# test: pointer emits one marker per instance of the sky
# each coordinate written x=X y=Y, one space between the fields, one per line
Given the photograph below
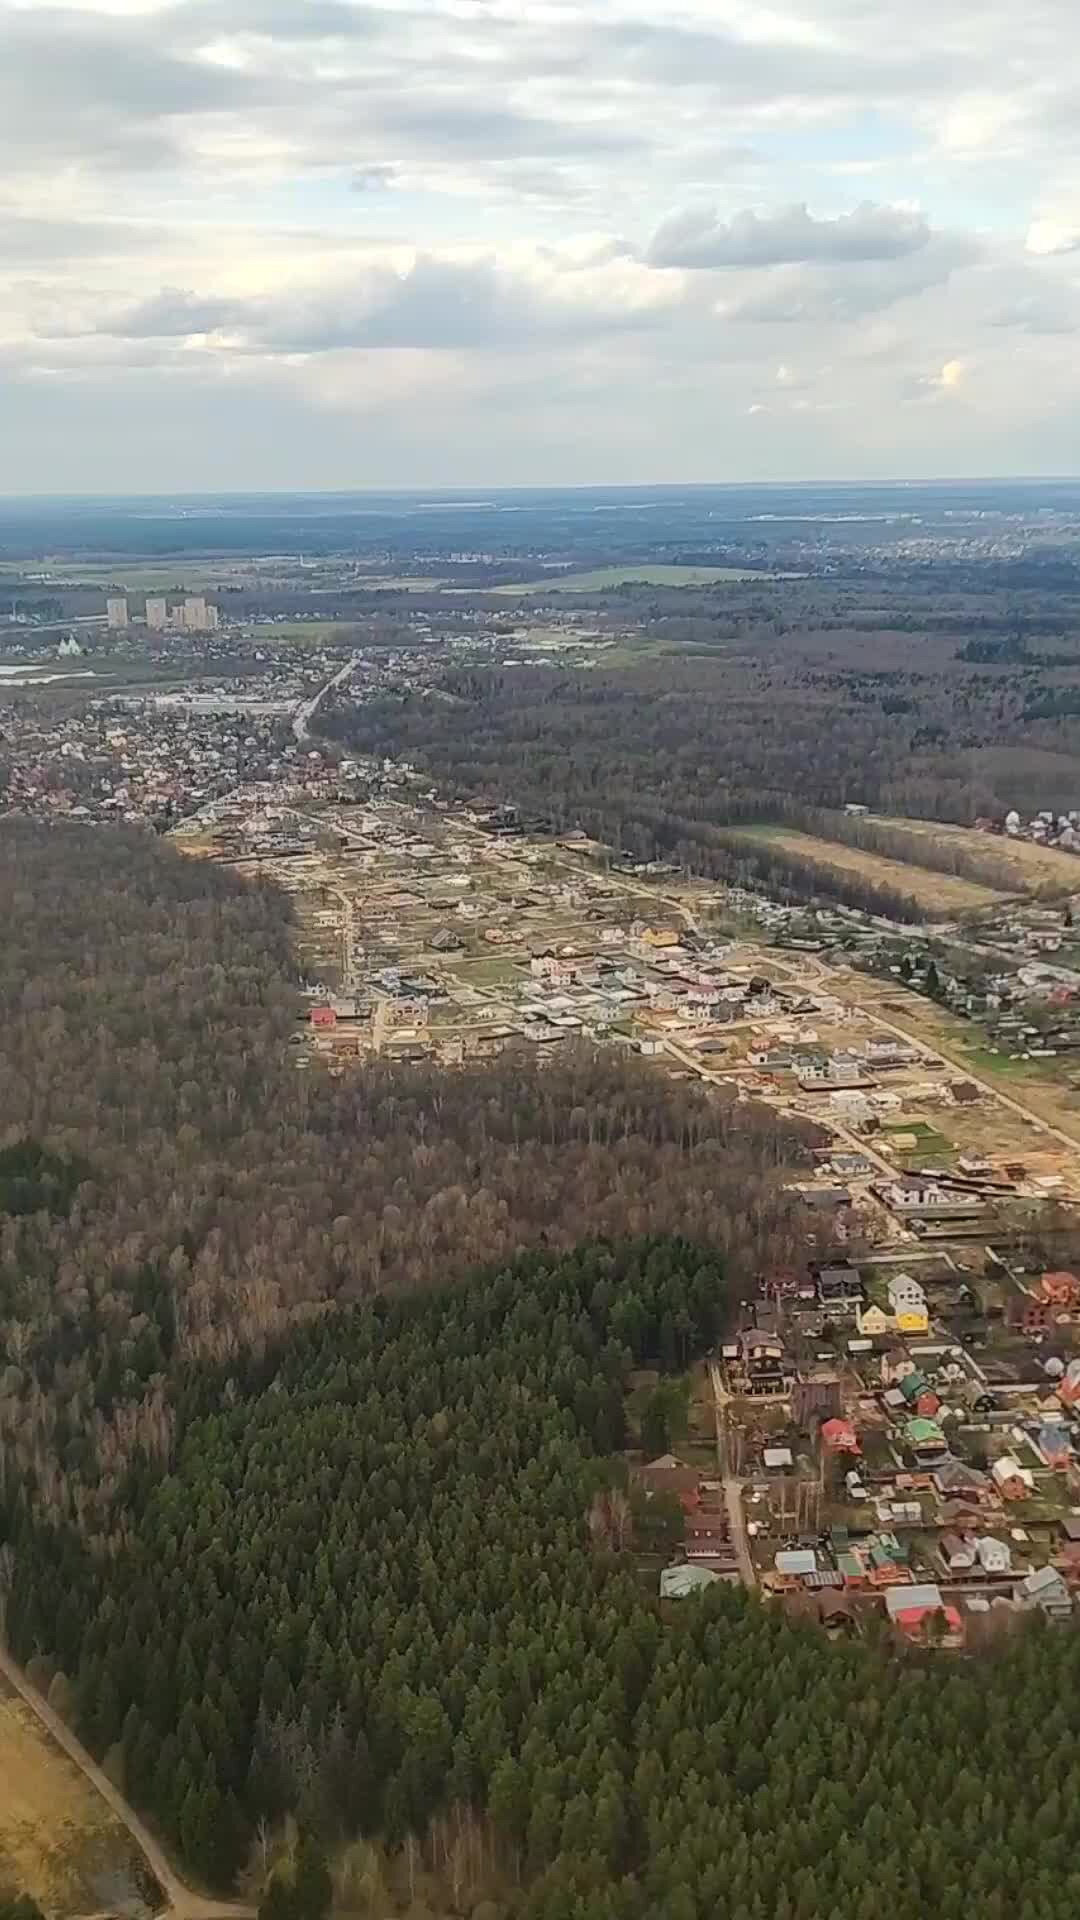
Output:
x=413 y=243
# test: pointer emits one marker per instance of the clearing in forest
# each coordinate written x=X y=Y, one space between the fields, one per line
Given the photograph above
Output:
x=58 y=1839
x=1024 y=866
x=941 y=894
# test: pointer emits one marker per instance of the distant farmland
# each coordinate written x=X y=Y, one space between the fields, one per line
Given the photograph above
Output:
x=1018 y=866
x=602 y=579
x=938 y=894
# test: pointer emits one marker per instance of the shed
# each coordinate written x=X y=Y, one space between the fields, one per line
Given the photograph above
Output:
x=903 y=1599
x=776 y=1459
x=796 y=1560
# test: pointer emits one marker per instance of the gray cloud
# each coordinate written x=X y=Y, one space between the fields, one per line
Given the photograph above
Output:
x=438 y=304
x=816 y=294
x=698 y=238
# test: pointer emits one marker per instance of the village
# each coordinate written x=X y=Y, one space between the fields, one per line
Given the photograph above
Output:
x=892 y=1432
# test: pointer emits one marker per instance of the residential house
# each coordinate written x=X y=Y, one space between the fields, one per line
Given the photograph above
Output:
x=1046 y=1589
x=896 y=1365
x=839 y=1289
x=873 y=1321
x=1012 y=1481
x=907 y=1304
x=920 y=1614
x=761 y=1357
x=925 y=1439
x=994 y=1555
x=957 y=1553
x=839 y=1436
x=669 y=1475
x=1061 y=1291
x=960 y=1484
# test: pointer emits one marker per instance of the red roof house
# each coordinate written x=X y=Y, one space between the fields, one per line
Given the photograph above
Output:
x=839 y=1436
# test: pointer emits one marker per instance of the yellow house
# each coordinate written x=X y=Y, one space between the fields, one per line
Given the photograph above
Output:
x=660 y=937
x=872 y=1320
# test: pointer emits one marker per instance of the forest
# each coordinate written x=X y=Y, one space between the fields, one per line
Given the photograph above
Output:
x=171 y=1188
x=314 y=1505
x=662 y=753
x=366 y=1595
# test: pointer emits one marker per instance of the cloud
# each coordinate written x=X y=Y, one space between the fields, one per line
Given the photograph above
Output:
x=434 y=303
x=519 y=241
x=697 y=238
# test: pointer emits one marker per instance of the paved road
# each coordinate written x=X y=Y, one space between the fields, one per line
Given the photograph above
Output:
x=184 y=1903
x=305 y=713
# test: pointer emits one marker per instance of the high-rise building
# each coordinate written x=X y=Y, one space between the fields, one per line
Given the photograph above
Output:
x=198 y=617
x=157 y=612
x=116 y=611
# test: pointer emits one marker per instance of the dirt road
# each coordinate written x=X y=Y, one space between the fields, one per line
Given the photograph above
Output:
x=732 y=1485
x=182 y=1901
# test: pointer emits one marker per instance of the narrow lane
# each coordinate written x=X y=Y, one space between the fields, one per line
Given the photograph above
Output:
x=183 y=1902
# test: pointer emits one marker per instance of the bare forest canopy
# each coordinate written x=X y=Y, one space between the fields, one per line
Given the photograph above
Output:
x=173 y=1190
x=664 y=756
x=368 y=1595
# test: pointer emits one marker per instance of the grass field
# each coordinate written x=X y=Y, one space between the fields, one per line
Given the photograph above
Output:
x=1025 y=867
x=58 y=1839
x=602 y=578
x=939 y=893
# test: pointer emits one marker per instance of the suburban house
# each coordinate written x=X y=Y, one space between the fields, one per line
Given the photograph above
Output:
x=920 y=1614
x=873 y=1321
x=956 y=1482
x=839 y=1288
x=761 y=1359
x=925 y=1439
x=994 y=1555
x=839 y=1436
x=907 y=1304
x=1012 y=1481
x=957 y=1553
x=1061 y=1291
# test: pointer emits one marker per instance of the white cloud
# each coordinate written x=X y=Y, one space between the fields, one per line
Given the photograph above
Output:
x=570 y=231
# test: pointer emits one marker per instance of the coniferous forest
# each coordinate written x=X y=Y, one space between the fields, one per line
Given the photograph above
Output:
x=301 y=1537
x=365 y=1594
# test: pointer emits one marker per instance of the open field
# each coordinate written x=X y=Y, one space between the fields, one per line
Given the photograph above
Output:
x=940 y=894
x=602 y=578
x=398 y=583
x=58 y=1839
x=1025 y=866
x=132 y=576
